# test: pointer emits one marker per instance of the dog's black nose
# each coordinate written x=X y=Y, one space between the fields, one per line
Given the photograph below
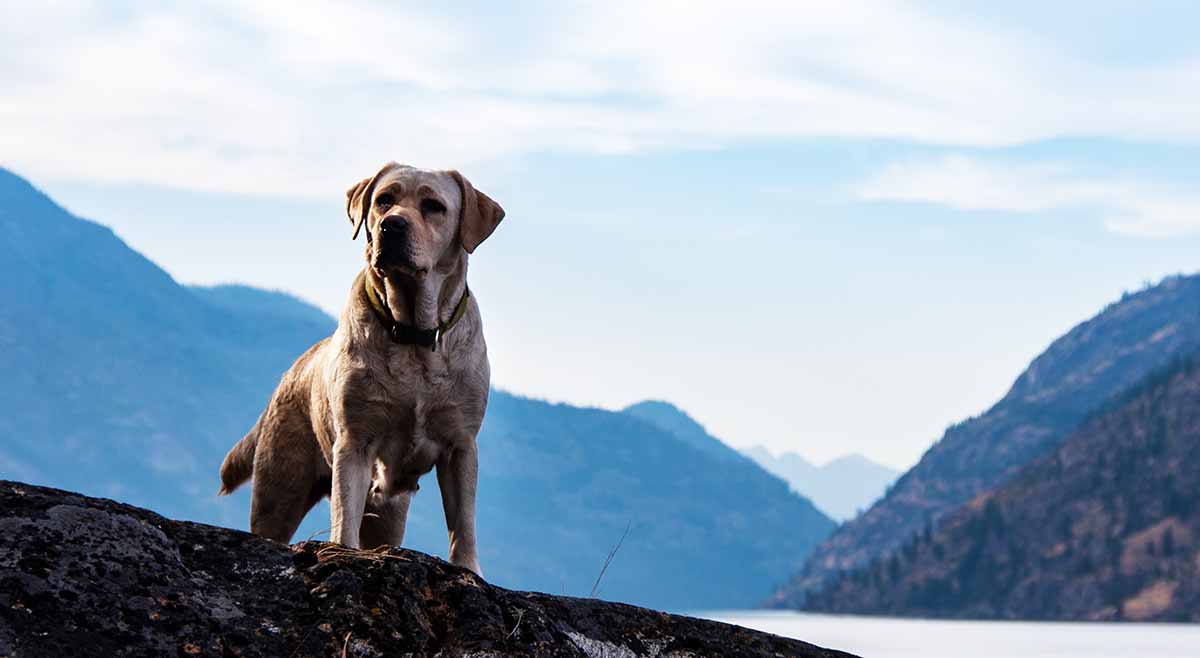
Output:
x=394 y=224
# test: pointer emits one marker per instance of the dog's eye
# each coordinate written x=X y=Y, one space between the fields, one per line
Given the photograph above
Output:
x=385 y=201
x=432 y=207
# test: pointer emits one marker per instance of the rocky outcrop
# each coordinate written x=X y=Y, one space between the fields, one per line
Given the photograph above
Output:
x=87 y=576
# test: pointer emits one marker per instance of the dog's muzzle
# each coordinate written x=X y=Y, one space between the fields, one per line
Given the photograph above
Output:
x=394 y=242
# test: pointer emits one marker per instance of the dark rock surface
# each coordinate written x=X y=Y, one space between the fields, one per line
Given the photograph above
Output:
x=87 y=576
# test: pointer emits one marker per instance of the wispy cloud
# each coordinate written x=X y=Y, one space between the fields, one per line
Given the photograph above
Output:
x=1127 y=206
x=296 y=98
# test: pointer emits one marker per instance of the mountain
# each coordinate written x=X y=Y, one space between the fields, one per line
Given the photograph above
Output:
x=576 y=479
x=670 y=418
x=266 y=306
x=1096 y=360
x=1107 y=527
x=120 y=382
x=841 y=488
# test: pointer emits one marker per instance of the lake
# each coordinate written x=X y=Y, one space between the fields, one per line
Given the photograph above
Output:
x=883 y=637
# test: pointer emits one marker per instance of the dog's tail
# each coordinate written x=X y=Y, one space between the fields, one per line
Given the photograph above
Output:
x=239 y=463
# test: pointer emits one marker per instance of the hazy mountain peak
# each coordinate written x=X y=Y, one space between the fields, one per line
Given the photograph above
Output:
x=759 y=453
x=840 y=488
x=259 y=302
x=21 y=201
x=851 y=459
x=675 y=421
x=665 y=415
x=14 y=186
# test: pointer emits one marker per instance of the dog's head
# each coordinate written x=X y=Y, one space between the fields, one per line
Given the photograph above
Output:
x=418 y=220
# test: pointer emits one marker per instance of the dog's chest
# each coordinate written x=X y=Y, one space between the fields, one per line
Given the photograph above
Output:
x=424 y=422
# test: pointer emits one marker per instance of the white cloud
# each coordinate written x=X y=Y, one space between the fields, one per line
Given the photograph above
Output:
x=1131 y=207
x=299 y=98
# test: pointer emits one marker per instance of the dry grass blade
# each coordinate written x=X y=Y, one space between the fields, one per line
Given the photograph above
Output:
x=608 y=560
x=520 y=616
x=334 y=551
x=318 y=533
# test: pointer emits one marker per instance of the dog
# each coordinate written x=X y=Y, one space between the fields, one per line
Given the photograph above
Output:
x=399 y=389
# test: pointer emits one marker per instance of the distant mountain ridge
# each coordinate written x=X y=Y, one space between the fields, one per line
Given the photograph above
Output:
x=271 y=305
x=670 y=418
x=1107 y=527
x=119 y=382
x=841 y=488
x=575 y=478
x=1096 y=360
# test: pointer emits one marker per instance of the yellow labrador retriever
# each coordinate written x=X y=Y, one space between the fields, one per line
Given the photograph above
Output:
x=398 y=389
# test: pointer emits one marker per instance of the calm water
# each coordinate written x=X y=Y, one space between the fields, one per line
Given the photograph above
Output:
x=906 y=638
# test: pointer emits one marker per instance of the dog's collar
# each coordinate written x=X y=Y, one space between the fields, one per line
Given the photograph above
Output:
x=406 y=334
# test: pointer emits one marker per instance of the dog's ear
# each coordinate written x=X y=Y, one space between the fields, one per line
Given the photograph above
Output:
x=480 y=214
x=356 y=204
x=358 y=199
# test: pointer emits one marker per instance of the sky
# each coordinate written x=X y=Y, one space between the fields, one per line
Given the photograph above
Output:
x=819 y=227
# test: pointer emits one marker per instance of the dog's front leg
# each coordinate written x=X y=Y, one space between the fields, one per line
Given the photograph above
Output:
x=351 y=480
x=457 y=476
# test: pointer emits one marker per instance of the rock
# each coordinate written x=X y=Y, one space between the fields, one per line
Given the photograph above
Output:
x=90 y=576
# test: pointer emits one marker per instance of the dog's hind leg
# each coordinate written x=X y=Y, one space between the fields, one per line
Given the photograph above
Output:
x=277 y=508
x=384 y=518
x=286 y=481
x=277 y=515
